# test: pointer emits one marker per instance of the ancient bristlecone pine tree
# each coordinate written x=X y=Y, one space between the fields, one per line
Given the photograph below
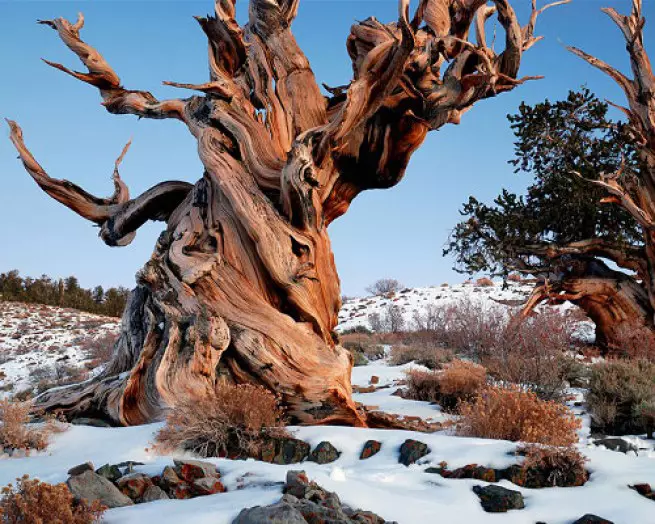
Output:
x=242 y=283
x=624 y=300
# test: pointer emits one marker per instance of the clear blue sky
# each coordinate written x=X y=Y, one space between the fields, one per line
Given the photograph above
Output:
x=397 y=233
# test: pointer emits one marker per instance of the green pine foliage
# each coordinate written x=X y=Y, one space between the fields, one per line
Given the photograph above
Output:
x=553 y=140
x=62 y=293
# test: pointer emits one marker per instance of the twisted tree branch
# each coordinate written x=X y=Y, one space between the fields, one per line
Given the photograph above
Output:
x=116 y=99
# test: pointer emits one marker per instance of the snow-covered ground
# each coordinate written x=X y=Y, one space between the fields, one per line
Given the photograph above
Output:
x=35 y=339
x=380 y=484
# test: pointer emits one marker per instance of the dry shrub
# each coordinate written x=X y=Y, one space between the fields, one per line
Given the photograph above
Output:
x=458 y=382
x=552 y=466
x=423 y=385
x=461 y=381
x=35 y=502
x=621 y=397
x=484 y=282
x=15 y=433
x=235 y=422
x=635 y=342
x=506 y=413
x=532 y=352
x=424 y=355
x=514 y=277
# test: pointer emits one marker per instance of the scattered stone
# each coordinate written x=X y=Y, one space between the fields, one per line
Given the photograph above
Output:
x=91 y=486
x=190 y=470
x=617 y=444
x=169 y=480
x=371 y=447
x=364 y=389
x=93 y=422
x=81 y=468
x=304 y=502
x=110 y=472
x=644 y=490
x=592 y=519
x=324 y=453
x=496 y=499
x=278 y=513
x=285 y=451
x=134 y=485
x=129 y=465
x=411 y=451
x=154 y=493
x=374 y=380
x=472 y=471
x=207 y=486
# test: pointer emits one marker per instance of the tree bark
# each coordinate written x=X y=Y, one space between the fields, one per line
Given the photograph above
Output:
x=616 y=302
x=242 y=283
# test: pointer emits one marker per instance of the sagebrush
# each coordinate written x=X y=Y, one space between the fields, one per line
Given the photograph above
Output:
x=31 y=501
x=509 y=413
x=236 y=421
x=621 y=397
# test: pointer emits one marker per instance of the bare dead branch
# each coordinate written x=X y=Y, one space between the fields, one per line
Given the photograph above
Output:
x=116 y=99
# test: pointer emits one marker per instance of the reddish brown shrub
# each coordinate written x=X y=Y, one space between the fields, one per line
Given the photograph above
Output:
x=236 y=421
x=463 y=379
x=458 y=381
x=35 y=502
x=533 y=352
x=551 y=466
x=484 y=282
x=516 y=415
x=633 y=342
x=423 y=385
x=514 y=277
x=15 y=433
x=422 y=354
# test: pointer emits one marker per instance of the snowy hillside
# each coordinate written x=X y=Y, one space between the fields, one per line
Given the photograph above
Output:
x=48 y=343
x=355 y=311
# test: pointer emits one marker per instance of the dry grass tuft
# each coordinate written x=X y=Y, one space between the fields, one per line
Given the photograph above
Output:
x=516 y=415
x=234 y=422
x=36 y=502
x=552 y=466
x=15 y=432
x=459 y=381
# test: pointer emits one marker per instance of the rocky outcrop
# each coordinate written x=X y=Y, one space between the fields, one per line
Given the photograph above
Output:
x=305 y=502
x=91 y=486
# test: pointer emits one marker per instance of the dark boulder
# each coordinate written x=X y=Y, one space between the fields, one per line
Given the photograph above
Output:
x=496 y=499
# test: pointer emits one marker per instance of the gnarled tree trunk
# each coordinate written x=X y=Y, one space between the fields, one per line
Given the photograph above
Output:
x=616 y=303
x=242 y=283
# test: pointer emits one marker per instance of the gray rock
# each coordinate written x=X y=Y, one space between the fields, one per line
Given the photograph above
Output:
x=411 y=451
x=154 y=493
x=617 y=444
x=110 y=472
x=306 y=502
x=285 y=451
x=81 y=468
x=279 y=513
x=592 y=519
x=496 y=499
x=91 y=486
x=371 y=447
x=324 y=453
x=190 y=470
